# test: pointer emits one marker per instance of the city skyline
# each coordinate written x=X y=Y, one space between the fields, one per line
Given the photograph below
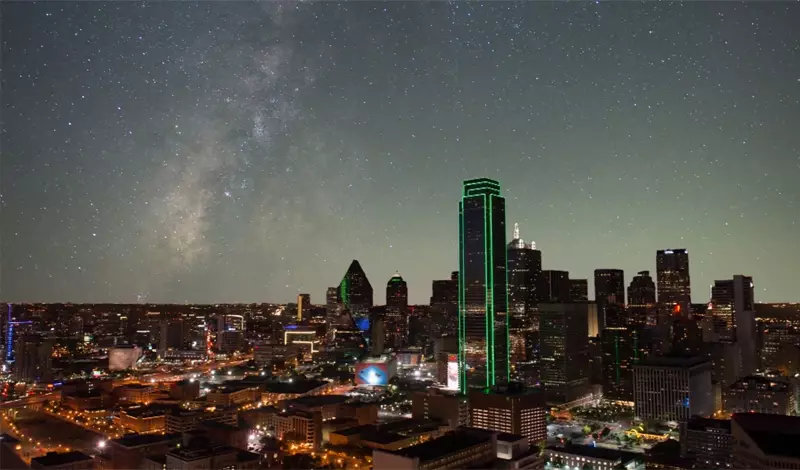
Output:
x=145 y=160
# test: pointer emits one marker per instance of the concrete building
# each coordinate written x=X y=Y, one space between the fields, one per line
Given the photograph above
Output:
x=708 y=441
x=765 y=441
x=586 y=457
x=510 y=409
x=440 y=405
x=463 y=448
x=756 y=394
x=564 y=350
x=672 y=388
x=182 y=420
x=299 y=425
x=63 y=461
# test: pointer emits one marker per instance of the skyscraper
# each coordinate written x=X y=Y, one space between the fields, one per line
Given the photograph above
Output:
x=303 y=306
x=553 y=287
x=524 y=267
x=578 y=290
x=564 y=350
x=609 y=287
x=355 y=291
x=641 y=297
x=396 y=318
x=733 y=316
x=672 y=276
x=33 y=363
x=483 y=313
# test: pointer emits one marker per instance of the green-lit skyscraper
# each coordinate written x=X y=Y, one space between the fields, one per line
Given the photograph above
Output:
x=483 y=352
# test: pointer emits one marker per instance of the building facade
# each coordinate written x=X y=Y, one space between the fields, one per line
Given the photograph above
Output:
x=564 y=350
x=672 y=388
x=483 y=314
x=672 y=277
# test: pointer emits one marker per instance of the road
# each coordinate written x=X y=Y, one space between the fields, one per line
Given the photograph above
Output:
x=40 y=433
x=31 y=400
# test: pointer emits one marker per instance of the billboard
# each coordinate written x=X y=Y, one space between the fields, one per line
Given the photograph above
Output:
x=122 y=358
x=372 y=373
x=452 y=372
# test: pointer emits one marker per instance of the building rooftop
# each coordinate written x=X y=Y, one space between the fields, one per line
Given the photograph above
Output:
x=190 y=454
x=508 y=437
x=136 y=440
x=601 y=453
x=54 y=459
x=674 y=360
x=773 y=434
x=314 y=401
x=147 y=411
x=295 y=386
x=760 y=383
x=698 y=423
x=448 y=444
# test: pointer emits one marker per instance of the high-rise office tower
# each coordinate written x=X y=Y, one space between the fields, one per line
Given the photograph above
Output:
x=672 y=277
x=444 y=303
x=512 y=409
x=642 y=298
x=303 y=306
x=609 y=287
x=33 y=363
x=445 y=291
x=524 y=267
x=622 y=348
x=396 y=318
x=578 y=290
x=672 y=388
x=355 y=291
x=553 y=287
x=564 y=350
x=483 y=313
x=332 y=300
x=733 y=317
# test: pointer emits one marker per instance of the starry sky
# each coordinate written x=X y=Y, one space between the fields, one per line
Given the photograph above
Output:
x=245 y=152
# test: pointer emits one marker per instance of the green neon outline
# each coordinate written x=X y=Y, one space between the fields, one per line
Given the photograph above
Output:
x=488 y=190
x=462 y=359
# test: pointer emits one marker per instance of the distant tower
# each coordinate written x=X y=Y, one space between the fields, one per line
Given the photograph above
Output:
x=303 y=305
x=396 y=318
x=641 y=297
x=355 y=291
x=483 y=326
x=524 y=268
x=672 y=277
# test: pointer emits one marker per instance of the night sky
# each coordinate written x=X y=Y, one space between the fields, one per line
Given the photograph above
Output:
x=226 y=152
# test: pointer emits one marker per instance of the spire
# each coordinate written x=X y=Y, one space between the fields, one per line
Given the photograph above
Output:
x=516 y=231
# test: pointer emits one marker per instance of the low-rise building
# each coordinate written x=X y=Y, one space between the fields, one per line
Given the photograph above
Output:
x=86 y=400
x=298 y=425
x=129 y=451
x=230 y=394
x=514 y=452
x=756 y=394
x=213 y=458
x=180 y=420
x=765 y=441
x=672 y=388
x=442 y=405
x=134 y=393
x=276 y=391
x=144 y=419
x=597 y=458
x=63 y=461
x=389 y=436
x=463 y=448
x=708 y=441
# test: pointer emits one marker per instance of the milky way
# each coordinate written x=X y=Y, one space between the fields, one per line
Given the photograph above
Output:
x=217 y=152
